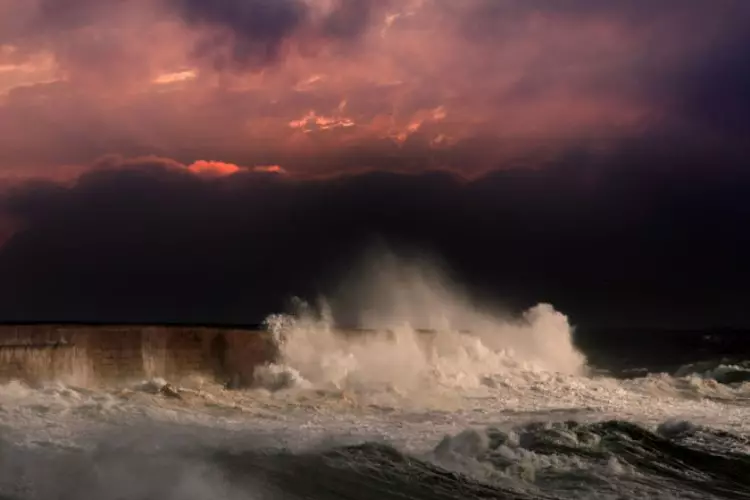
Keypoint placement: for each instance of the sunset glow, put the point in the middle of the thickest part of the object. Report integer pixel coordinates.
(220, 81)
(213, 168)
(180, 76)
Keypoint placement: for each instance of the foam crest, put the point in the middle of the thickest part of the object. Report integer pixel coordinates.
(415, 331)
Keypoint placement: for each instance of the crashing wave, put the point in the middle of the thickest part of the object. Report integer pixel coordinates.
(274, 377)
(311, 349)
(722, 371)
(414, 333)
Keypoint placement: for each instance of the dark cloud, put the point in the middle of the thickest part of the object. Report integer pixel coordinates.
(254, 32)
(686, 60)
(350, 19)
(503, 13)
(606, 241)
(713, 91)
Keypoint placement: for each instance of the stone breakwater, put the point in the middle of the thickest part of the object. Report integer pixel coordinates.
(88, 355)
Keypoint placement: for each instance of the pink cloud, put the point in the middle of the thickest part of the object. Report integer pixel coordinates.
(125, 77)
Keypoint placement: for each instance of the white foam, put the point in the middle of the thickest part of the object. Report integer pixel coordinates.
(275, 377)
(720, 372)
(466, 349)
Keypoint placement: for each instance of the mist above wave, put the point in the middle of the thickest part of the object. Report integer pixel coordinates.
(415, 329)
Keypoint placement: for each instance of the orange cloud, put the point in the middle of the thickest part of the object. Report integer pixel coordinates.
(175, 77)
(223, 169)
(213, 168)
(312, 121)
(270, 169)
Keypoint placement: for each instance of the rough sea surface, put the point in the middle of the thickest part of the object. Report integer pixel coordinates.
(511, 410)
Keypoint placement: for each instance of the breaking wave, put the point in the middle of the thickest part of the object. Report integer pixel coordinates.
(723, 371)
(414, 331)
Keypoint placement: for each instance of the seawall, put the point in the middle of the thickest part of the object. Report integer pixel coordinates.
(89, 355)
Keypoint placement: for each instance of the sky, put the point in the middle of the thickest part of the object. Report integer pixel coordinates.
(196, 160)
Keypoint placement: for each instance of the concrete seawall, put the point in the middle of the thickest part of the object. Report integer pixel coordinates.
(99, 355)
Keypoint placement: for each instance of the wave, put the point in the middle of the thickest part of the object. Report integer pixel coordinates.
(545, 460)
(619, 456)
(724, 371)
(414, 331)
(313, 352)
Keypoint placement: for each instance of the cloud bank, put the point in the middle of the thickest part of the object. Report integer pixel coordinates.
(151, 240)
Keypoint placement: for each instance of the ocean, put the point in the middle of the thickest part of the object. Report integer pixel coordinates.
(524, 408)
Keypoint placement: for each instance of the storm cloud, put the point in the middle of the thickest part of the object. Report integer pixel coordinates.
(253, 33)
(611, 242)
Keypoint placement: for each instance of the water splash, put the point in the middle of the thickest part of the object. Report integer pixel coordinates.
(416, 331)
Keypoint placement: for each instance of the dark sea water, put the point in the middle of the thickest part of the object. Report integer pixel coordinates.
(628, 352)
(682, 462)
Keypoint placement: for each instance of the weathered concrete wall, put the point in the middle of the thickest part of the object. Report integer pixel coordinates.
(95, 355)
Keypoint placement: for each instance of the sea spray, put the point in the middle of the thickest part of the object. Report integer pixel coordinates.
(413, 332)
